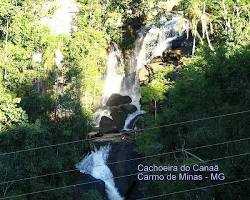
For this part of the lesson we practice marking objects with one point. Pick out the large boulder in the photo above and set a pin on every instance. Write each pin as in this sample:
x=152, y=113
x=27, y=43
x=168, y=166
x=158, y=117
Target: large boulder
x=119, y=117
x=128, y=108
x=117, y=99
x=107, y=125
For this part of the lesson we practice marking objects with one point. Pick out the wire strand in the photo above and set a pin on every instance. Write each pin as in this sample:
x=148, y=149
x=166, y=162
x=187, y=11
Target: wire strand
x=127, y=160
x=197, y=188
x=132, y=131
x=117, y=177
x=44, y=147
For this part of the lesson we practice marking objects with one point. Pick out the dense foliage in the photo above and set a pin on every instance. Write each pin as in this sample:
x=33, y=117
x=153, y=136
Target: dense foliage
x=43, y=103
x=215, y=81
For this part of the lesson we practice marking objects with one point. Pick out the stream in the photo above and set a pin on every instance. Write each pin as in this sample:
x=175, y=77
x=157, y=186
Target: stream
x=152, y=41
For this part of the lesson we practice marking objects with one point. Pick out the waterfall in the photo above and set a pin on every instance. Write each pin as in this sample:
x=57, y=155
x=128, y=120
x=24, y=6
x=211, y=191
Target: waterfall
x=62, y=20
x=115, y=73
x=58, y=58
x=95, y=165
x=113, y=81
x=152, y=41
x=37, y=57
x=123, y=78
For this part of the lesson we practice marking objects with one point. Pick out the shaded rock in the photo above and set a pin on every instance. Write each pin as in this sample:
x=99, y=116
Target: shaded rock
x=117, y=99
x=172, y=56
x=119, y=117
x=107, y=125
x=95, y=134
x=128, y=108
x=184, y=44
x=94, y=185
x=136, y=123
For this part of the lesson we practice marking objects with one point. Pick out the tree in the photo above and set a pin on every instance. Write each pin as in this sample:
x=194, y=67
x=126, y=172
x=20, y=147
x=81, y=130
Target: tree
x=10, y=112
x=156, y=90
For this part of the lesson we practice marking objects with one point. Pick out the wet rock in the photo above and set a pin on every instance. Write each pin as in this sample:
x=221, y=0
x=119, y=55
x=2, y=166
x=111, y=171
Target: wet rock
x=107, y=125
x=128, y=108
x=119, y=117
x=184, y=43
x=117, y=99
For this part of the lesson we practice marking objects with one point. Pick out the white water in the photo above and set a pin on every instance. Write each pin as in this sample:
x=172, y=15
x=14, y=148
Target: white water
x=99, y=114
x=130, y=118
x=115, y=73
x=62, y=21
x=95, y=165
x=37, y=57
x=58, y=58
x=152, y=41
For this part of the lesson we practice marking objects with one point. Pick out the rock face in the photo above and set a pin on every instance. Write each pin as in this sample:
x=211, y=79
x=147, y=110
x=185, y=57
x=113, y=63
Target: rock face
x=106, y=125
x=180, y=47
x=117, y=99
x=118, y=116
x=119, y=107
x=128, y=108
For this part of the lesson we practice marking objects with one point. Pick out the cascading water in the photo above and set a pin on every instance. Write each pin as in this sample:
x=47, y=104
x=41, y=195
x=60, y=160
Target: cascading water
x=153, y=40
x=65, y=10
x=115, y=73
x=95, y=165
x=113, y=81
x=58, y=58
x=37, y=57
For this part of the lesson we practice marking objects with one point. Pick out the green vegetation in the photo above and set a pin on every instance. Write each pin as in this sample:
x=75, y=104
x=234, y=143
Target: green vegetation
x=215, y=81
x=42, y=103
x=92, y=195
x=157, y=88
